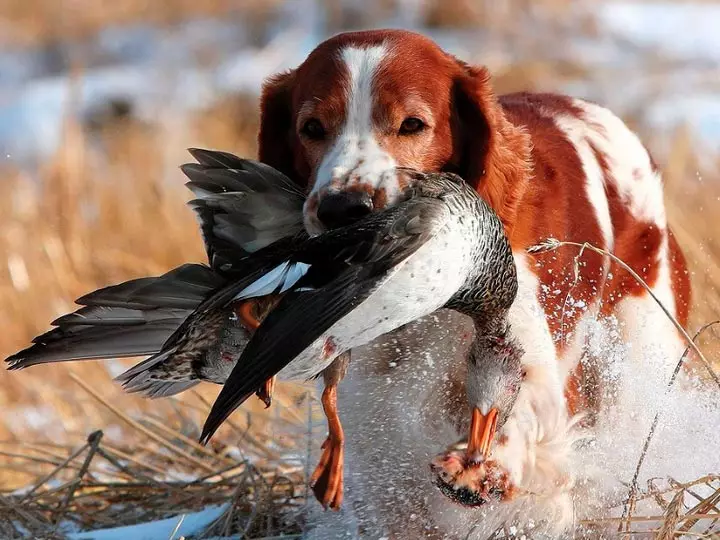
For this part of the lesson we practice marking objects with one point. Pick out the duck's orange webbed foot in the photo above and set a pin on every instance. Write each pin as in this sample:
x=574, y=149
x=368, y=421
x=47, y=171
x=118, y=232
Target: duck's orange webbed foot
x=327, y=480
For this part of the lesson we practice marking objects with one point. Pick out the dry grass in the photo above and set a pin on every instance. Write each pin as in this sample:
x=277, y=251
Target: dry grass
x=41, y=22
x=101, y=485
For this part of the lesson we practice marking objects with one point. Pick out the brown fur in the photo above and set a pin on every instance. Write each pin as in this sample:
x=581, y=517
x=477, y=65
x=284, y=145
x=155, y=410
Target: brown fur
x=509, y=148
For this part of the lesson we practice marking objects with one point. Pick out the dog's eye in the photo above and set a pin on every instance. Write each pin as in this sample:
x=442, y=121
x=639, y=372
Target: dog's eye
x=411, y=125
x=313, y=129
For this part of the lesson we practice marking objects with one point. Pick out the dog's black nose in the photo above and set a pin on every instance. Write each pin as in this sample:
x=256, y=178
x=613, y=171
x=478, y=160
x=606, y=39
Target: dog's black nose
x=339, y=209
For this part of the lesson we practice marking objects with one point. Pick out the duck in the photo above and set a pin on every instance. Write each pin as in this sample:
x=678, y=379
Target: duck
x=441, y=247
x=273, y=302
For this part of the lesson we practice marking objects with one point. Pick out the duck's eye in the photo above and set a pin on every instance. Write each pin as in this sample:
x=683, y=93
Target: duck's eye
x=411, y=125
x=313, y=129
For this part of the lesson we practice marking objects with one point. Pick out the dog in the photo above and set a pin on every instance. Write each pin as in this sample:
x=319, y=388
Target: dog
x=363, y=103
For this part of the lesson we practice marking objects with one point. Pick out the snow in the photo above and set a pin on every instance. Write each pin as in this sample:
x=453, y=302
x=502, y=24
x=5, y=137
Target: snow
x=165, y=529
x=684, y=446
x=652, y=23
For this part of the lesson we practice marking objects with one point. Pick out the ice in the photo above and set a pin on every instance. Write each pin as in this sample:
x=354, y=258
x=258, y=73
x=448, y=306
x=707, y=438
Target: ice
x=192, y=523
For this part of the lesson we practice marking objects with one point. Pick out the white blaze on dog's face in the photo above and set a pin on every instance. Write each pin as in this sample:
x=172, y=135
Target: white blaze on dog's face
x=361, y=105
x=355, y=173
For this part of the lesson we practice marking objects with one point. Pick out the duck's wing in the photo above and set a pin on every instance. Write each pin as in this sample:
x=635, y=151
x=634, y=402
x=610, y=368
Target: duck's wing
x=242, y=206
x=133, y=318
x=343, y=268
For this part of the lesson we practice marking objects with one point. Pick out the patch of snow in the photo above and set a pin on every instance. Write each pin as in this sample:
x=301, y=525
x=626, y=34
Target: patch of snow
x=701, y=111
x=678, y=29
x=192, y=523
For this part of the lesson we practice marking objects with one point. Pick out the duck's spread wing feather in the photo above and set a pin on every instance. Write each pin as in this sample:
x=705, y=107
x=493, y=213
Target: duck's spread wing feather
x=133, y=318
x=242, y=206
x=297, y=321
x=344, y=267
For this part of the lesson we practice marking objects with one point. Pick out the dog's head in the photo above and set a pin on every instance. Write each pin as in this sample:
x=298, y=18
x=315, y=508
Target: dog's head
x=363, y=103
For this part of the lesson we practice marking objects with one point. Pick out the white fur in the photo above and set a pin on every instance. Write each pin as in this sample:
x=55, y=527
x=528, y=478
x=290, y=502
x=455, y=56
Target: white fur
x=539, y=432
x=356, y=157
x=646, y=327
x=640, y=188
x=579, y=133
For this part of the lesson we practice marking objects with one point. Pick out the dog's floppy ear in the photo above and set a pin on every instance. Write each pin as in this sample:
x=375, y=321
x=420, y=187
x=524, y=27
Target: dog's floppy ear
x=277, y=141
x=494, y=154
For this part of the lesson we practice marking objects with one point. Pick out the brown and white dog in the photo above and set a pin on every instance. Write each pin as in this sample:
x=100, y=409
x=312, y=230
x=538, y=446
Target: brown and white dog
x=551, y=166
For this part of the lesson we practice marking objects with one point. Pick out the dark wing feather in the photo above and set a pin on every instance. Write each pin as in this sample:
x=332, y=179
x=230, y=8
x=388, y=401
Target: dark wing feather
x=225, y=160
x=133, y=318
x=355, y=261
x=84, y=342
x=300, y=318
x=117, y=316
x=183, y=287
x=242, y=206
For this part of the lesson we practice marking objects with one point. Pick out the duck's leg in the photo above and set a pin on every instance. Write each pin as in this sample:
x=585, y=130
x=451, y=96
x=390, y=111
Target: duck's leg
x=327, y=480
x=251, y=313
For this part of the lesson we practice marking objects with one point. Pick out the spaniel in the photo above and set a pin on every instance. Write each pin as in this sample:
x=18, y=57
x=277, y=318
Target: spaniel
x=363, y=103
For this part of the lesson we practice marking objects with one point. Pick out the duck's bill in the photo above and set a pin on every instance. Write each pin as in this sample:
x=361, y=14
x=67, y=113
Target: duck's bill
x=482, y=433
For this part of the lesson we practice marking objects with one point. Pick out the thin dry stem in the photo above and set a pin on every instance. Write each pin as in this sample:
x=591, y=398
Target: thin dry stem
x=552, y=244
x=151, y=434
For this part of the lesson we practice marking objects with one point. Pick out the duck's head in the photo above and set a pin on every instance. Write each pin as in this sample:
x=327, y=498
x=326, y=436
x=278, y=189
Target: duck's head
x=470, y=476
x=494, y=376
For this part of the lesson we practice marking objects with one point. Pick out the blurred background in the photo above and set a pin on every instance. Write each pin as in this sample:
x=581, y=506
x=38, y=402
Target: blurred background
x=99, y=100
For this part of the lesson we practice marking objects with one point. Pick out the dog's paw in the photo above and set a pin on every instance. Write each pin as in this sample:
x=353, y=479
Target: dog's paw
x=471, y=483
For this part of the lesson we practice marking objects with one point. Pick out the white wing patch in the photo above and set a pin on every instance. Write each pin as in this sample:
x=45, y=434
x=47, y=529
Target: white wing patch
x=280, y=278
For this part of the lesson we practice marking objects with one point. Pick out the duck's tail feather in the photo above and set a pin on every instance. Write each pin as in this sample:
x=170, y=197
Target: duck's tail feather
x=242, y=206
x=141, y=379
x=74, y=342
x=134, y=318
x=160, y=389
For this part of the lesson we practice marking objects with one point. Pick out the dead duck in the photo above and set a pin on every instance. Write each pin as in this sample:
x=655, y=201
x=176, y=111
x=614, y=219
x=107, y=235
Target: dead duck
x=443, y=247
